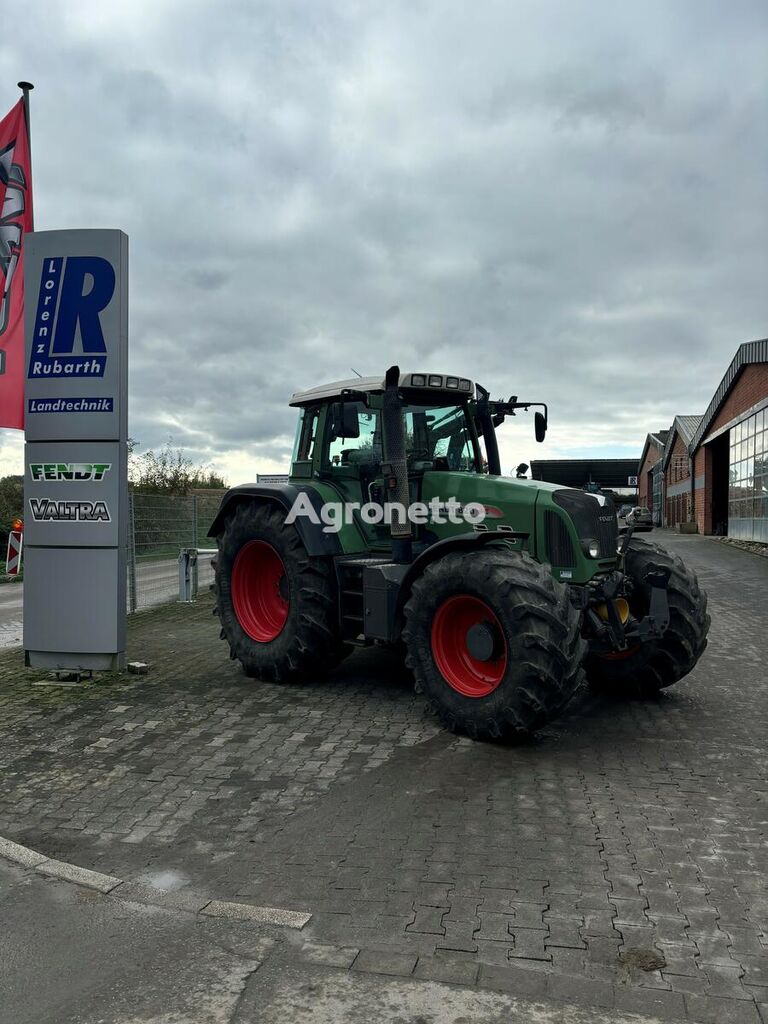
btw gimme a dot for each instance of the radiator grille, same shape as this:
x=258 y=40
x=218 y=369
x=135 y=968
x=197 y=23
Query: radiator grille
x=593 y=519
x=608 y=532
x=559 y=545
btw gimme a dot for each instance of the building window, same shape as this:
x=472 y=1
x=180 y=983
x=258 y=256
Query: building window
x=748 y=479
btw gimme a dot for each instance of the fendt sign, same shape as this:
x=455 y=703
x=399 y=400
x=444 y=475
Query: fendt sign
x=75 y=488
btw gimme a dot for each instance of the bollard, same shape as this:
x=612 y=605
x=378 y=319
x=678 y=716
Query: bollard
x=187 y=575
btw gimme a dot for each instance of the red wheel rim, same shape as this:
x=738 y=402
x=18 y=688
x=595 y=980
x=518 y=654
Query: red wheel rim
x=463 y=672
x=620 y=655
x=259 y=606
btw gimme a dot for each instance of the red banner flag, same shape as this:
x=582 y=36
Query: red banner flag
x=15 y=221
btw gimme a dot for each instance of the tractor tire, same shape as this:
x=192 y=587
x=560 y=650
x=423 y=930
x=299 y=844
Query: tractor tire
x=277 y=606
x=528 y=662
x=650 y=667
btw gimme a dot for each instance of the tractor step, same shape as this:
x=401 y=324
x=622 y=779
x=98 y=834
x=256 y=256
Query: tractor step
x=368 y=591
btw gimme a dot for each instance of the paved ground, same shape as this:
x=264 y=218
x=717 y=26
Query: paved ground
x=11 y=601
x=623 y=828
x=156 y=583
x=72 y=956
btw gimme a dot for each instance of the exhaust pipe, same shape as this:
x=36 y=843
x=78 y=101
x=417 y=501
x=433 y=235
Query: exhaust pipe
x=395 y=466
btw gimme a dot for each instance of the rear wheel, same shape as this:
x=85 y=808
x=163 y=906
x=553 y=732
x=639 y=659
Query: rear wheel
x=493 y=642
x=277 y=605
x=647 y=668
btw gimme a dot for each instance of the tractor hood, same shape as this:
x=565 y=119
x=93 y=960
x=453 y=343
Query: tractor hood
x=562 y=523
x=509 y=502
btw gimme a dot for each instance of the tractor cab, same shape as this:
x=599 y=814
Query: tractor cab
x=342 y=438
x=444 y=424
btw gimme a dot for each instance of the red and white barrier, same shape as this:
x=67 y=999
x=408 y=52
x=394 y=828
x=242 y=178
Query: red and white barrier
x=13 y=557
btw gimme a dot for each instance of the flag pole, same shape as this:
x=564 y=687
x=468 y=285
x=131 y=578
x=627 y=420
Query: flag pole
x=26 y=88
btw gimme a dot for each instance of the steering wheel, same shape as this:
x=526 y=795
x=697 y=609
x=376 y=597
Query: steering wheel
x=417 y=453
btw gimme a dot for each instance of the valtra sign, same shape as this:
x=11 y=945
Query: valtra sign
x=75 y=482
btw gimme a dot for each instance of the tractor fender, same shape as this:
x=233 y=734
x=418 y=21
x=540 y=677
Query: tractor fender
x=461 y=542
x=315 y=541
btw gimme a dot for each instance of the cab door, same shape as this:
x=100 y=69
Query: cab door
x=352 y=456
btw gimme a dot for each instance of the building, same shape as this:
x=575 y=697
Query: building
x=710 y=472
x=678 y=471
x=729 y=449
x=619 y=476
x=650 y=475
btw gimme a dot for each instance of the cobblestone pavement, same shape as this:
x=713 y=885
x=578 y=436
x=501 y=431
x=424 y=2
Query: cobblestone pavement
x=628 y=835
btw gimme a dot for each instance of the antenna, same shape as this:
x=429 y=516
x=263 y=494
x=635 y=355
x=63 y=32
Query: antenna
x=355 y=371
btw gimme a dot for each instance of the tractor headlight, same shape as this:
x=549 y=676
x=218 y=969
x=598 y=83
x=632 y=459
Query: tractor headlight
x=591 y=547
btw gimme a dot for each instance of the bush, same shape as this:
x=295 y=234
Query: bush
x=11 y=507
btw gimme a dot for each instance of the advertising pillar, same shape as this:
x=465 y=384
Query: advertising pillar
x=76 y=460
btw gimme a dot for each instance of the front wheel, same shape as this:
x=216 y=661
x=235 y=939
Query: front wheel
x=493 y=642
x=647 y=668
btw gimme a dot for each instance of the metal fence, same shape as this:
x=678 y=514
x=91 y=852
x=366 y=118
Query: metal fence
x=160 y=526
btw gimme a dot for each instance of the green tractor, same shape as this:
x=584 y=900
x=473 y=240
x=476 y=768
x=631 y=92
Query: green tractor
x=397 y=528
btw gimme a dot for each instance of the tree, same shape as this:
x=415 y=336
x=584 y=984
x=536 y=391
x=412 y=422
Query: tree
x=11 y=504
x=169 y=471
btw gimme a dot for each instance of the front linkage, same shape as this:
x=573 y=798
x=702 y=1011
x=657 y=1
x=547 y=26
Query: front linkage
x=609 y=624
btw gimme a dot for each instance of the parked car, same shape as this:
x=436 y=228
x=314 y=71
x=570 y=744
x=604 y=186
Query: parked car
x=640 y=517
x=624 y=511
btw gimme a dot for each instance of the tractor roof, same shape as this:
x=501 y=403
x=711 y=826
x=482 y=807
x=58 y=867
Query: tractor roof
x=435 y=382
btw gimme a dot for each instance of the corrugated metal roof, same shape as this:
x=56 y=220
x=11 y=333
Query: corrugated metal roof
x=659 y=437
x=685 y=426
x=748 y=353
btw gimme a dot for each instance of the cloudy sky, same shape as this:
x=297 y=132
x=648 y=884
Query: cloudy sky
x=566 y=201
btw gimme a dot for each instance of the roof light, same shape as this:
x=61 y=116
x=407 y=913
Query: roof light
x=418 y=380
x=452 y=382
x=435 y=380
x=465 y=385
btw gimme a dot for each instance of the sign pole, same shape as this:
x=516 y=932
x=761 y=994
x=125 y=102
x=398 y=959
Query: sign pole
x=26 y=88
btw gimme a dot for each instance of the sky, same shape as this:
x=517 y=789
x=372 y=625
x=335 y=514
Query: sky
x=565 y=201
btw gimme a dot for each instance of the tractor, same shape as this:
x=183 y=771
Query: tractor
x=500 y=615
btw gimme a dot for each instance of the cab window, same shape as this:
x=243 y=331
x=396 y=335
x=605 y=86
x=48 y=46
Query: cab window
x=306 y=435
x=438 y=437
x=354 y=438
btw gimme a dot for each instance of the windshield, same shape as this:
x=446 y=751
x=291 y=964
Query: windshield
x=439 y=435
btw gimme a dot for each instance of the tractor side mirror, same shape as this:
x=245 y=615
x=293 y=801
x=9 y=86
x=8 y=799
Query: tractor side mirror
x=540 y=425
x=344 y=420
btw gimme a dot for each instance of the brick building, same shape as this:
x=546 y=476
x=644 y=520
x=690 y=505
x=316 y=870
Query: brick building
x=678 y=471
x=650 y=474
x=729 y=450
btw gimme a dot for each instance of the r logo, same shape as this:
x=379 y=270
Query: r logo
x=68 y=301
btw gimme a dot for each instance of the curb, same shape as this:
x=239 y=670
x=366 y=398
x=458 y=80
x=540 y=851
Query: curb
x=135 y=892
